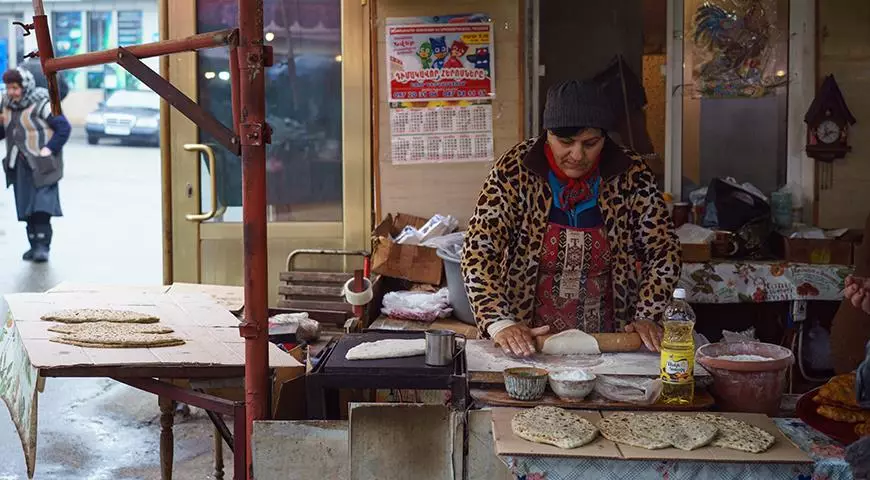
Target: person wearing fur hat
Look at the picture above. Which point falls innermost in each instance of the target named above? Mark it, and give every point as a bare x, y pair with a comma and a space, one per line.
570, 232
32, 162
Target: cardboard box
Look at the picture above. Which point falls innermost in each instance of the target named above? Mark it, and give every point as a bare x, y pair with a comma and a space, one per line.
696, 252
834, 251
408, 262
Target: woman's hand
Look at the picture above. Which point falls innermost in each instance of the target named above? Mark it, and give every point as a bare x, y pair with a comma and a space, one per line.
45, 152
519, 339
858, 292
650, 333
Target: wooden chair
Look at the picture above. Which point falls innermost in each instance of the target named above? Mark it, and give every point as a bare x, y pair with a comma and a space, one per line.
320, 293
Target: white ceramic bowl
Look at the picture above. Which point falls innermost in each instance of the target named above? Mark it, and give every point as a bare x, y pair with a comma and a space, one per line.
572, 385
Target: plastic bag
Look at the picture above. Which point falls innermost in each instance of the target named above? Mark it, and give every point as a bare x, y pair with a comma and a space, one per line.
437, 226
419, 306
637, 390
451, 243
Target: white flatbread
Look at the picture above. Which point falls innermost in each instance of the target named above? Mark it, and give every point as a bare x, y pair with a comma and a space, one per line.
108, 328
618, 428
571, 342
738, 435
390, 348
553, 426
682, 431
82, 315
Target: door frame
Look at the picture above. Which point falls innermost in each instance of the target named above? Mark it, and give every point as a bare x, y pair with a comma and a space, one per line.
183, 237
800, 169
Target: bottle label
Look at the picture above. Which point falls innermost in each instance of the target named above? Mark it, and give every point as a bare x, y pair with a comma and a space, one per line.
677, 367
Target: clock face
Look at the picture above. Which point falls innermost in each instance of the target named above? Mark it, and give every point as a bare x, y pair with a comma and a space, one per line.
828, 132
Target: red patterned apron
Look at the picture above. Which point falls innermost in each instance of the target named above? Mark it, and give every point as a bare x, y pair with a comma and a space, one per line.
574, 280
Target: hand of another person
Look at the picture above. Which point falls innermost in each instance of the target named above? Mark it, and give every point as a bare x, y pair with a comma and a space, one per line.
519, 339
858, 292
650, 333
45, 152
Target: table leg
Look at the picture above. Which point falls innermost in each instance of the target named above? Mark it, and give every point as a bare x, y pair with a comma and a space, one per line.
218, 455
167, 440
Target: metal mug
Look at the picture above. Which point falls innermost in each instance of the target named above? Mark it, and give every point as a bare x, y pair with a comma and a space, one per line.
440, 347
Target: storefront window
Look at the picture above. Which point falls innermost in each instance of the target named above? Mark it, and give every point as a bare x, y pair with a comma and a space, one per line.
99, 25
67, 34
303, 95
735, 90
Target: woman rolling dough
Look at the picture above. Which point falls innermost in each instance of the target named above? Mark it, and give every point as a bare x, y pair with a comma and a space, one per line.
570, 231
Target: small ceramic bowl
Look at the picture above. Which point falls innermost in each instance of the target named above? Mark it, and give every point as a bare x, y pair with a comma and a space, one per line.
572, 385
525, 383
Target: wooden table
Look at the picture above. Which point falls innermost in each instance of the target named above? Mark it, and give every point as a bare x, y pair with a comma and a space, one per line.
213, 350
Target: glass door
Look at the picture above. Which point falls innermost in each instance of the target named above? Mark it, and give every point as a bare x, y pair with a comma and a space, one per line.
318, 184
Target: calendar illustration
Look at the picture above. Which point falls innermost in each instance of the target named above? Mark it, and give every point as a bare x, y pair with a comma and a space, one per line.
449, 132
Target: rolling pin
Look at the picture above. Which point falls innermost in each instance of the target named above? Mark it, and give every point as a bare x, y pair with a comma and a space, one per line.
607, 342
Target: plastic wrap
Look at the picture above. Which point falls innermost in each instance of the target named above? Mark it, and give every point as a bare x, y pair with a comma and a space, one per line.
628, 389
419, 306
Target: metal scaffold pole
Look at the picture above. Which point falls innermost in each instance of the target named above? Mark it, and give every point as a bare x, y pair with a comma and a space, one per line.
249, 58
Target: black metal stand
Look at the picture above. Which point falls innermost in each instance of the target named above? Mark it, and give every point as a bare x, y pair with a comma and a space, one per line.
332, 373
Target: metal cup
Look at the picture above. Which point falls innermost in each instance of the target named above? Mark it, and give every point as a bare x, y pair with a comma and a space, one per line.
440, 347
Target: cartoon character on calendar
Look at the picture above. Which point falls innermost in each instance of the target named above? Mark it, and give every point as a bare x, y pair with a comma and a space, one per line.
425, 55
439, 51
457, 50
480, 59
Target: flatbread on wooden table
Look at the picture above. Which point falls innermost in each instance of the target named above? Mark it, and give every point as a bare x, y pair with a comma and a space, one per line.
119, 340
553, 426
389, 348
108, 328
738, 435
618, 428
681, 431
83, 315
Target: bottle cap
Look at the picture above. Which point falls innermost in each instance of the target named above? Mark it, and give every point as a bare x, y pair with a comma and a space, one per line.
680, 293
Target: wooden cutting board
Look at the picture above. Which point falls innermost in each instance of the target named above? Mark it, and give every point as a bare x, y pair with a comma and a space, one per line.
499, 398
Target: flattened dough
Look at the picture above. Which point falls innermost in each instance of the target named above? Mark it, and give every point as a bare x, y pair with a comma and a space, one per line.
554, 426
571, 342
738, 435
108, 328
136, 340
390, 348
618, 428
682, 431
82, 315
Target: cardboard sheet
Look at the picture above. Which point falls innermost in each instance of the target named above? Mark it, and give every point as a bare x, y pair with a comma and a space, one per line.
506, 443
230, 297
783, 451
209, 330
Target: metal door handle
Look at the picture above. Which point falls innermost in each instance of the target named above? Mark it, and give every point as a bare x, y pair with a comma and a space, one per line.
209, 153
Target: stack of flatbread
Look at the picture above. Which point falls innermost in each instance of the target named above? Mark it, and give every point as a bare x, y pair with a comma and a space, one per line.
105, 328
554, 426
662, 430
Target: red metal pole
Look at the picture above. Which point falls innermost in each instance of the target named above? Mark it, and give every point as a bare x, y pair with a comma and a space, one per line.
46, 54
166, 47
253, 133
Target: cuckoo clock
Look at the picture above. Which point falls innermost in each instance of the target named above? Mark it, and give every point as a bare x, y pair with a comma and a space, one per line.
828, 121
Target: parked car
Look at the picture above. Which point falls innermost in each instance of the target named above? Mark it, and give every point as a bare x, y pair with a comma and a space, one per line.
133, 116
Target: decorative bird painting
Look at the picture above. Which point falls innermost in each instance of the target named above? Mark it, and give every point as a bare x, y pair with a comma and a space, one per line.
733, 44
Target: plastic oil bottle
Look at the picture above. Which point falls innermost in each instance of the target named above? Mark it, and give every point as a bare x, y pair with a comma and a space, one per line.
678, 352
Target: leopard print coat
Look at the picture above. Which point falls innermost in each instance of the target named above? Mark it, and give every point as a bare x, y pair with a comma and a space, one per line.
505, 236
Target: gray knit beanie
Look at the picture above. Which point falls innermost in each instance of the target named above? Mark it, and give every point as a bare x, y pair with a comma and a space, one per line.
573, 103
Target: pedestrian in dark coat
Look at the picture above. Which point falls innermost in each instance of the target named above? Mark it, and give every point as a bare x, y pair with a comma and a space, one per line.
33, 162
